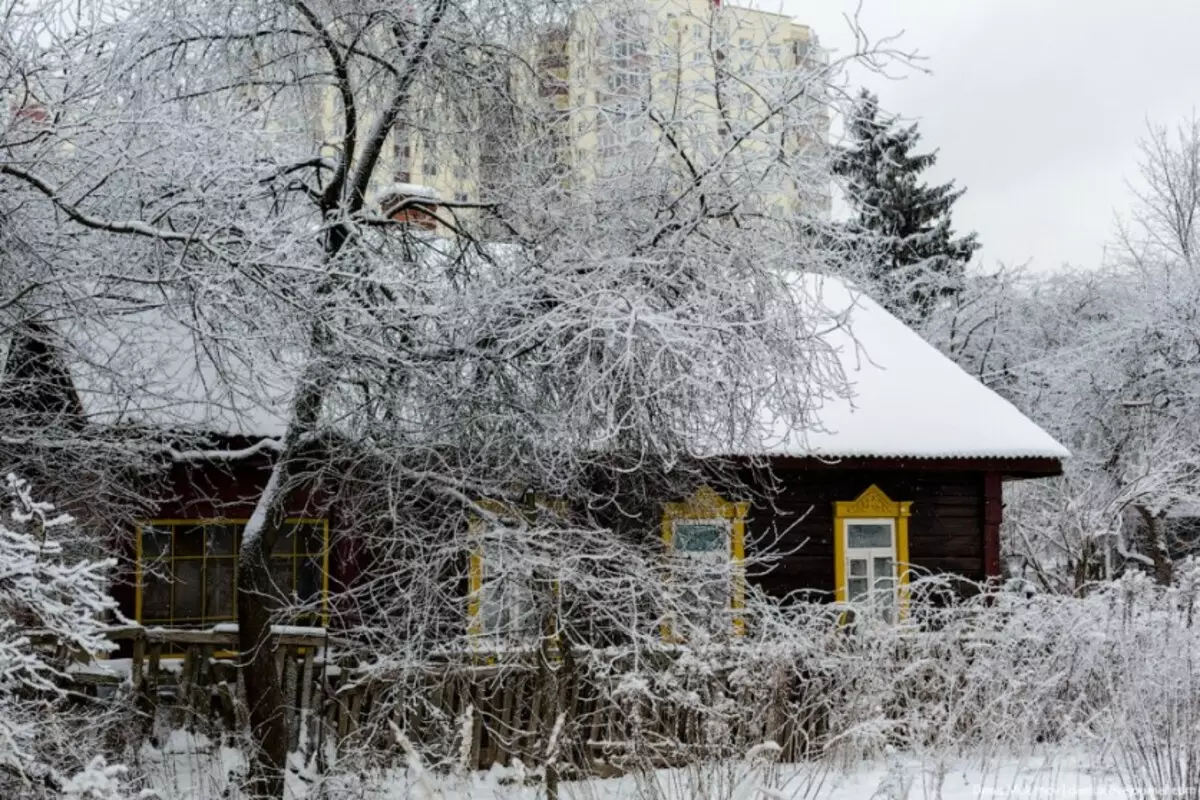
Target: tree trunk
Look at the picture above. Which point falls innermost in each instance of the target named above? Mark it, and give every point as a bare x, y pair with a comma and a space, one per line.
258, 599
263, 694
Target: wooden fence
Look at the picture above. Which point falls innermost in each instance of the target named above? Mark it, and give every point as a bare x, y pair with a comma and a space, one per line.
585, 711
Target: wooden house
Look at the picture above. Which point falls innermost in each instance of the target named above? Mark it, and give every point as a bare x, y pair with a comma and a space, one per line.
906, 475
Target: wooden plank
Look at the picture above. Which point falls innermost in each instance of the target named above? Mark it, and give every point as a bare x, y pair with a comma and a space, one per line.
178, 636
204, 678
227, 640
291, 668
137, 660
306, 695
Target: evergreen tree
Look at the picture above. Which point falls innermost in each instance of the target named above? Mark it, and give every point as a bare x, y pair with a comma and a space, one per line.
907, 221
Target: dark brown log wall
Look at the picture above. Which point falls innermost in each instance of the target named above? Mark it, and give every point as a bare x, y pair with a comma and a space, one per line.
946, 530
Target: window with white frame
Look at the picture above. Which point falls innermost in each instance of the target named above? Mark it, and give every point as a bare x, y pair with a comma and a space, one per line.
507, 601
705, 545
512, 584
702, 550
871, 577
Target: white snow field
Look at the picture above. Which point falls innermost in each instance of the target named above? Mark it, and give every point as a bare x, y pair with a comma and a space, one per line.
189, 767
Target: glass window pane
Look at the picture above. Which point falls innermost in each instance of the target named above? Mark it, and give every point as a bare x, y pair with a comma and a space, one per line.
222, 539
188, 589
312, 538
156, 542
156, 593
858, 566
286, 543
869, 534
309, 580
219, 587
858, 589
884, 568
700, 537
189, 541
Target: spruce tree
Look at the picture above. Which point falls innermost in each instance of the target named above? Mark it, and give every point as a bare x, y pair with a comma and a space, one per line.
906, 221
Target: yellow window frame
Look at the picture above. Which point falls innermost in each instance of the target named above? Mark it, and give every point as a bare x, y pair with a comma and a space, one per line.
873, 503
706, 504
142, 525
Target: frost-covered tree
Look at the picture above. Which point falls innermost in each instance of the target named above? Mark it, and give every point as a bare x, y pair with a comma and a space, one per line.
1106, 359
916, 256
52, 608
206, 236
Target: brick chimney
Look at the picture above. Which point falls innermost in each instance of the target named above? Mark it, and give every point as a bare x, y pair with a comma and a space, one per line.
411, 203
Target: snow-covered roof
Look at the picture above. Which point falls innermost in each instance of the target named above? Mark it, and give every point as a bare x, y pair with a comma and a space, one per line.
149, 367
908, 399
412, 190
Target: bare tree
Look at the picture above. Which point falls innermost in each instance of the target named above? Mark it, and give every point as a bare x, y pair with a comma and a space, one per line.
201, 191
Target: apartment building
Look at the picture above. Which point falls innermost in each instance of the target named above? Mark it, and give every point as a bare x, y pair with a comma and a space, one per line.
601, 86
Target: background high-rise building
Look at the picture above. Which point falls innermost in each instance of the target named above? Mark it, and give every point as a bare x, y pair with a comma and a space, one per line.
604, 87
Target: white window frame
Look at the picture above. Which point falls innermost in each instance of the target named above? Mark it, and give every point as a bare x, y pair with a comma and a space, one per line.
877, 598
510, 611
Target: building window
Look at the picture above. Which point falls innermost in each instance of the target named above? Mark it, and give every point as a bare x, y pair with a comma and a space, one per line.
429, 168
460, 172
698, 57
507, 597
745, 45
186, 570
871, 553
460, 197
774, 54
705, 540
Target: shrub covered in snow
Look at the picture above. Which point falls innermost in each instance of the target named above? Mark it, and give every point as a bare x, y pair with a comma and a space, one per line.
51, 613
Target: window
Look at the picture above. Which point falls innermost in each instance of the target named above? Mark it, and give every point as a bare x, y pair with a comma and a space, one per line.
429, 168
460, 171
745, 45
871, 564
507, 606
705, 542
774, 55
186, 570
507, 593
460, 197
697, 33
871, 553
698, 57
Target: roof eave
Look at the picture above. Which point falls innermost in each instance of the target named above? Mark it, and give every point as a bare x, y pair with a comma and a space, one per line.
1011, 467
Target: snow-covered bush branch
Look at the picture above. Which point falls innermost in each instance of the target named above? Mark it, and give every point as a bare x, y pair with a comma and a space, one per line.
52, 613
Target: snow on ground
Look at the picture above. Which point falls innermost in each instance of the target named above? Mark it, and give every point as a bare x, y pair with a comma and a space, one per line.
190, 767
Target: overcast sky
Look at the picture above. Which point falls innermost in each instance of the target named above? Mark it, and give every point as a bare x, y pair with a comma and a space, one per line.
1035, 105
